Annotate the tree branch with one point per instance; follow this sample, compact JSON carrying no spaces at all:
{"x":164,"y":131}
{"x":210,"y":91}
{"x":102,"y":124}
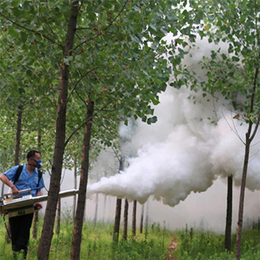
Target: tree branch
{"x":28,"y":29}
{"x":252,"y":106}
{"x":78,"y":81}
{"x":105,"y":29}
{"x":94,"y":114}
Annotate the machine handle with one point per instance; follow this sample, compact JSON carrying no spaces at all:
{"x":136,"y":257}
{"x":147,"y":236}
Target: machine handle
{"x":20,"y":191}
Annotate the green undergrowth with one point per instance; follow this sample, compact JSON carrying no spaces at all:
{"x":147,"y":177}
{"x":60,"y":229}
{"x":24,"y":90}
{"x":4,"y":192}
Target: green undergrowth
{"x":153,"y":244}
{"x":97,"y":243}
{"x":210,"y":246}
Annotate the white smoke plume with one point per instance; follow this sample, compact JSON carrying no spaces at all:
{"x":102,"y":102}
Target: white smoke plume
{"x":184,"y":151}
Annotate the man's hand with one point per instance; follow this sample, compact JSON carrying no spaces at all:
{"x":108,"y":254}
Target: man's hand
{"x":14,"y":190}
{"x":38,"y":205}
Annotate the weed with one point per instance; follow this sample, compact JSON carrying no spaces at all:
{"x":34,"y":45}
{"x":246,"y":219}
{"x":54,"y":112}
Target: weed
{"x":97,"y":243}
{"x":209,"y":246}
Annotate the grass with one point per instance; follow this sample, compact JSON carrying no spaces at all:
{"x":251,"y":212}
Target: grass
{"x":209,"y":246}
{"x":97,"y":244}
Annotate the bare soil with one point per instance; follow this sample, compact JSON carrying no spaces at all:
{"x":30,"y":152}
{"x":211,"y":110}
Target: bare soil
{"x":171,"y":249}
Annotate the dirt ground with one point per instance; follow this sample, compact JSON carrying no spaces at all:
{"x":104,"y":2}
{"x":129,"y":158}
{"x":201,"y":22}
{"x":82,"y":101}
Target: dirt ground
{"x":172,"y":247}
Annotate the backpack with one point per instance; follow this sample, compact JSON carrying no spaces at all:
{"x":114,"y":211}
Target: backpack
{"x":18,"y":173}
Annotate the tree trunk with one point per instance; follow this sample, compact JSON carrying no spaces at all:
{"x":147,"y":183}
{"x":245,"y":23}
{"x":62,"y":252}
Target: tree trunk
{"x":104,"y":209}
{"x":134,"y":218}
{"x":228,"y":231}
{"x":77,"y":232}
{"x":75,"y":187}
{"x":105,"y":203}
{"x":117,"y":220}
{"x":125,"y":220}
{"x":16,"y":155}
{"x":35,"y":220}
{"x":96,"y":211}
{"x":118,"y":209}
{"x":57,"y":231}
{"x":242,"y":198}
{"x":36,"y":213}
{"x":146,"y":217}
{"x":96,"y":206}
{"x":142,"y":220}
{"x":47,"y":231}
{"x":249,"y":138}
{"x":18,"y":134}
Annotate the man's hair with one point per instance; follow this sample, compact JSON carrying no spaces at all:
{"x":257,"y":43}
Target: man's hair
{"x":32,"y":154}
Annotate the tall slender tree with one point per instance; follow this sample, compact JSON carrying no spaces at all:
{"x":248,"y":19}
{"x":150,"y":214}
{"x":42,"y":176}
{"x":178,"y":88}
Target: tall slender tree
{"x":18,"y":134}
{"x":125,"y":228}
{"x":117,"y":54}
{"x":77,"y":232}
{"x":228,"y":230}
{"x":118,"y":209}
{"x":96,"y":211}
{"x":142,"y":220}
{"x":253,"y":124}
{"x":234,"y":74}
{"x":134,"y":218}
{"x":46,"y":238}
{"x":75,"y":187}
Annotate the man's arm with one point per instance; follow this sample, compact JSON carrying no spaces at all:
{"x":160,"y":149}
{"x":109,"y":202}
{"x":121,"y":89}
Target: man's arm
{"x":38,"y":205}
{"x":38,"y":193}
{"x":7,"y":182}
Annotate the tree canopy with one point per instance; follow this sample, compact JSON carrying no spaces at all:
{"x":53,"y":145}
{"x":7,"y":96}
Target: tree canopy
{"x":114,"y":53}
{"x":116,"y":61}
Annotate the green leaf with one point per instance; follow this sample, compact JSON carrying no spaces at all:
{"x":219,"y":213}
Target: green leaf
{"x":152,"y":120}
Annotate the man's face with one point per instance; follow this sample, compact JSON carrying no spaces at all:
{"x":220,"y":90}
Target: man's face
{"x":34,"y":160}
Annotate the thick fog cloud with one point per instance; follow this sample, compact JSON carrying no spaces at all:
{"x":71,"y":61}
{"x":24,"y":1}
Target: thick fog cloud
{"x":184,"y":151}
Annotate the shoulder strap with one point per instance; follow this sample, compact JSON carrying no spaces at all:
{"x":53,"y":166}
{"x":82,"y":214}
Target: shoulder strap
{"x":39,"y":177}
{"x":18,"y":173}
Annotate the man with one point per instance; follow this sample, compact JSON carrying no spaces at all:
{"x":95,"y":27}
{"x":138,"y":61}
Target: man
{"x":29,"y":179}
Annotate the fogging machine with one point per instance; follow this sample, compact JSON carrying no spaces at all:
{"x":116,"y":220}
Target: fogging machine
{"x":23,"y":203}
